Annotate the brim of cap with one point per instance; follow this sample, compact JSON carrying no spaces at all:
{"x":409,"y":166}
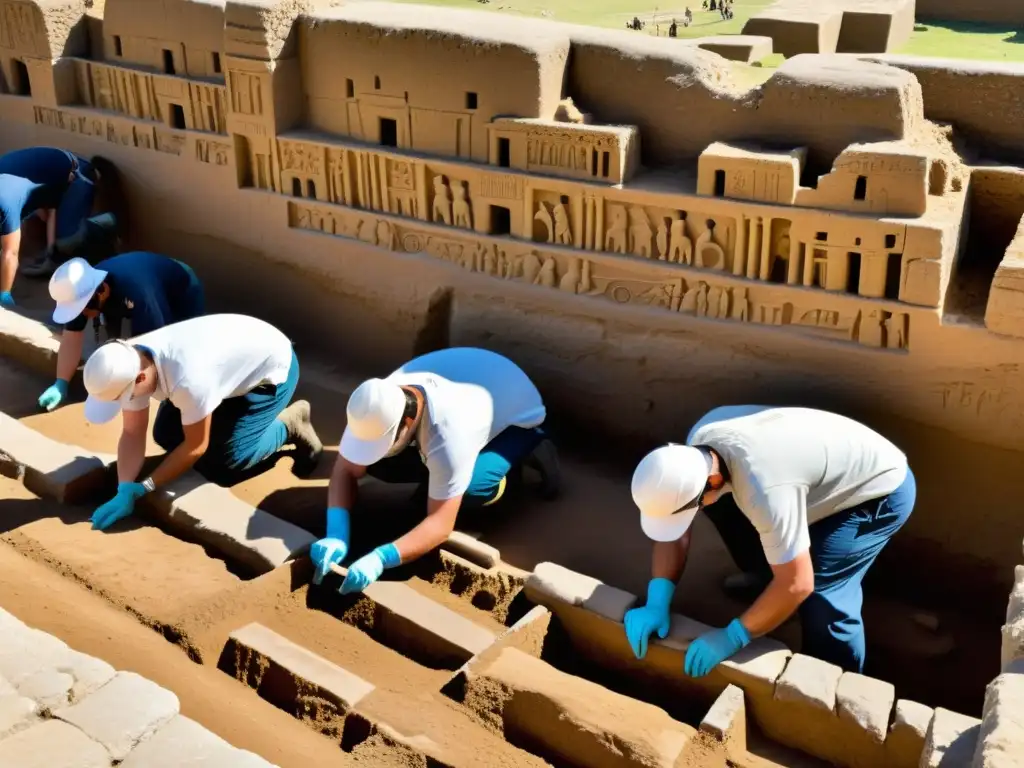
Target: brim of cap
{"x":101,"y":411}
{"x":669,"y":528}
{"x":68,"y":311}
{"x":363,"y":453}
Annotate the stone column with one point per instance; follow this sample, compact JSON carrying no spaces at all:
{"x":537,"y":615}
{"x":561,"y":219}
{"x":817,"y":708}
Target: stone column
{"x":577,"y":221}
{"x":752,"y":246}
{"x":526,"y":217}
{"x":793,"y":271}
{"x":809,"y":256}
{"x":739,"y":254}
{"x":421,"y":192}
{"x":766,"y":249}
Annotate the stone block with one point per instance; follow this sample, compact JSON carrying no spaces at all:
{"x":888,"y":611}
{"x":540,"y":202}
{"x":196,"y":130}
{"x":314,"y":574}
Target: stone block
{"x":865,"y":703}
{"x":48,"y":688}
{"x":49,"y":468}
{"x":423,"y":629}
{"x":216,"y":517}
{"x":809,"y":681}
{"x":1001,"y":737}
{"x":122,"y":713}
{"x":52,"y":744}
{"x":89,"y":673}
{"x":465,"y":546}
{"x":573,"y":720}
{"x":28,"y":341}
{"x":184,"y":742}
{"x":951,"y":740}
{"x":907,"y":734}
{"x":745,"y":48}
{"x":727,"y":718}
{"x":15,"y":713}
{"x":333,"y":683}
{"x":24,"y":653}
{"x":1013,"y":630}
{"x":550,"y":580}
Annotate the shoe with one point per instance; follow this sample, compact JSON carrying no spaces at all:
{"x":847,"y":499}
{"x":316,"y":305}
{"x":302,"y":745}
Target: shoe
{"x":544,"y":460}
{"x":302,"y":435}
{"x":744,"y":587}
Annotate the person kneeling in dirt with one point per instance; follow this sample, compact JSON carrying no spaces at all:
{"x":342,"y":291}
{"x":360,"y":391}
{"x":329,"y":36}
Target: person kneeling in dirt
{"x":148,"y":289}
{"x":803,"y":499}
{"x":224,"y":382}
{"x":456,"y":421}
{"x":56,"y":185}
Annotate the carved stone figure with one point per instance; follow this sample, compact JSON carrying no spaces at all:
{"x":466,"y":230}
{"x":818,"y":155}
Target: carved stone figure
{"x":528,"y":267}
{"x":714,"y":299}
{"x":489,"y":263}
{"x":896,"y":331}
{"x":615,"y":240}
{"x":563,"y":234}
{"x":543,"y":215}
{"x":872,"y":329}
{"x":385,"y":235}
{"x":442,"y":210}
{"x":460,"y":206}
{"x":570,"y":281}
{"x":696,"y":300}
{"x":640,"y":232}
{"x":741,"y":305}
{"x":681,"y":251}
{"x":548,"y":276}
{"x":661,"y":240}
{"x":709,"y":254}
{"x":723,"y":304}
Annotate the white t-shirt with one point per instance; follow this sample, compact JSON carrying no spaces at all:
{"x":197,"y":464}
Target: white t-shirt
{"x":203,"y":361}
{"x":790,"y":467}
{"x":472,"y":395}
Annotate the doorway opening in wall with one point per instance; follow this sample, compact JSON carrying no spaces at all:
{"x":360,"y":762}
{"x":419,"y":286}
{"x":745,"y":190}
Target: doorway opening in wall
{"x":893,"y":272}
{"x":350,"y":88}
{"x":311,"y":189}
{"x":296,"y":188}
{"x":504,"y":153}
{"x":719,"y":183}
{"x":168,"y":62}
{"x":211,"y":119}
{"x":177,"y":116}
{"x":606,"y":163}
{"x":216,"y":63}
{"x":471,"y":100}
{"x":21,"y":86}
{"x":853,"y":273}
{"x":501,"y":220}
{"x":118,"y":50}
{"x":388,"y":132}
{"x":860,"y":190}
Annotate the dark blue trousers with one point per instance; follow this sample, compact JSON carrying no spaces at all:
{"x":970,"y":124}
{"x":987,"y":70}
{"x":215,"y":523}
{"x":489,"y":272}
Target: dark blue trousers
{"x":75,"y":207}
{"x":843,"y":547}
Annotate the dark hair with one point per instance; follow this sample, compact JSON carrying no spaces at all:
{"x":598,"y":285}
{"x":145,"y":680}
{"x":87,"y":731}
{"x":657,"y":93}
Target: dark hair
{"x":412,"y":405}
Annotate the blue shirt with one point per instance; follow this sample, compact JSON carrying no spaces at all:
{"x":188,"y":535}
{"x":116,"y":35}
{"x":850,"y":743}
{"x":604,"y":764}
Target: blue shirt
{"x":149,"y":289}
{"x":31,"y":179}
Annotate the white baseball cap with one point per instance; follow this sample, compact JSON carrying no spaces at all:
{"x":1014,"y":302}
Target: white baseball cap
{"x":374,"y":414}
{"x":72,"y":285}
{"x":109,"y":378}
{"x":667,"y":486}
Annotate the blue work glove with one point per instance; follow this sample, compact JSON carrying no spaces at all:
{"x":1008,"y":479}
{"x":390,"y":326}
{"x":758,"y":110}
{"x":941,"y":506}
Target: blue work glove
{"x":52,"y":397}
{"x":333,"y":548}
{"x":714,"y":647}
{"x":653,"y":617}
{"x":118,"y":507}
{"x":368,"y":568}
{"x":6,"y":299}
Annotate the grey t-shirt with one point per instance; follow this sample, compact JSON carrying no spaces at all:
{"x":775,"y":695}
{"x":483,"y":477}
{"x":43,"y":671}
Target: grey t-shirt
{"x":790,"y":467}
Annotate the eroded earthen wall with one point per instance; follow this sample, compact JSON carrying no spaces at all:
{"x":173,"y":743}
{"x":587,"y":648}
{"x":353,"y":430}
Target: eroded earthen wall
{"x":994,"y":12}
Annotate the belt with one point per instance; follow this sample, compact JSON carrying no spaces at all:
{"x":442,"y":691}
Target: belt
{"x":74,"y":161}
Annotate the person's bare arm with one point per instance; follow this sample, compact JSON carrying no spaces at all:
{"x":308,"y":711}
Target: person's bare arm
{"x":131,"y":448}
{"x":791,"y":584}
{"x":10,"y":245}
{"x":432,"y":532}
{"x":70,"y":354}
{"x":189,"y":451}
{"x":343,"y":487}
{"x":669,"y":558}
{"x":51,"y":229}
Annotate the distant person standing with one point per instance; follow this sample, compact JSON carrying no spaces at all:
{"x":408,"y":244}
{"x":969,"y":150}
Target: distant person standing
{"x":52,"y":183}
{"x":147,"y":289}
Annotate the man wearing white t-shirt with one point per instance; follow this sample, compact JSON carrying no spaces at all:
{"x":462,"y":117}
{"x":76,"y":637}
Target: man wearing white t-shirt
{"x":457,"y":421}
{"x":803,"y":499}
{"x":224,"y":383}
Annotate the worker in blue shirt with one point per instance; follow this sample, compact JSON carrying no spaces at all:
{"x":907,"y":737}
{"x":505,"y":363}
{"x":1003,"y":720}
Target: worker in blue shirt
{"x":52,"y":183}
{"x":149,"y":289}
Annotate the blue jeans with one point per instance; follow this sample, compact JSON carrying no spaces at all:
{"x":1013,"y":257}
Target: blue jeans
{"x":75,"y":207}
{"x":495,"y":461}
{"x":843,"y":547}
{"x":244,"y":434}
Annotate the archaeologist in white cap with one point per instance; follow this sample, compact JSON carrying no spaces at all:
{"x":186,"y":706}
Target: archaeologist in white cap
{"x":803,"y":499}
{"x":224,"y":383}
{"x":147,"y":289}
{"x":459,"y":422}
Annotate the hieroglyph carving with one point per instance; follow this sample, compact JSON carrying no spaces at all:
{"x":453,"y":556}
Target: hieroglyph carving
{"x":548,"y":153}
{"x":212,"y":152}
{"x":64,"y":121}
{"x":301,"y":158}
{"x":451,"y":203}
{"x":501,"y":187}
{"x":18,"y":30}
{"x":555,"y":220}
{"x":171,"y":143}
{"x":511,"y":260}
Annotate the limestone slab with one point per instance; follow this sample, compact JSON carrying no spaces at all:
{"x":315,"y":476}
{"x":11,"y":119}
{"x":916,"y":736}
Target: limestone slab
{"x":471,"y":549}
{"x":240,"y":531}
{"x":15,"y":712}
{"x":727,"y":716}
{"x":28,"y":341}
{"x":1001,"y":737}
{"x":49,"y":468}
{"x":88,"y":672}
{"x":22,"y":654}
{"x":49,"y":688}
{"x":184,"y":742}
{"x":866,"y":703}
{"x":951,"y":740}
{"x":907,"y":734}
{"x":554,"y":581}
{"x":122,"y":713}
{"x":1013,"y":630}
{"x":809,"y":681}
{"x":52,"y":744}
{"x":333,"y":682}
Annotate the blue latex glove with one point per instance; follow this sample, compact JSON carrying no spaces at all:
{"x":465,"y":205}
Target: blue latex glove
{"x":54,"y":394}
{"x":118,"y":507}
{"x":653,"y":617}
{"x":368,"y":568}
{"x":6,"y":299}
{"x":714,"y":647}
{"x":333,"y":548}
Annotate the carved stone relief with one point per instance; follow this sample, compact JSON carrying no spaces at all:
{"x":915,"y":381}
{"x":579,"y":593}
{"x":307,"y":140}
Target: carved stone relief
{"x":461,"y":214}
{"x":640,"y":232}
{"x":442,"y":206}
{"x":301,"y":158}
{"x":557,"y":153}
{"x":615,"y":240}
{"x":555,"y":220}
{"x":212,"y":152}
{"x":171,"y":143}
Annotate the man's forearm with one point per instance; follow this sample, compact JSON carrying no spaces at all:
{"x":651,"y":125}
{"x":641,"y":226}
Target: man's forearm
{"x":177,"y":463}
{"x":342,"y":489}
{"x":777,"y":603}
{"x":51,"y":228}
{"x":431,"y":533}
{"x":131,"y":452}
{"x":8,"y":268}
{"x":669,"y":559}
{"x":70,"y":354}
